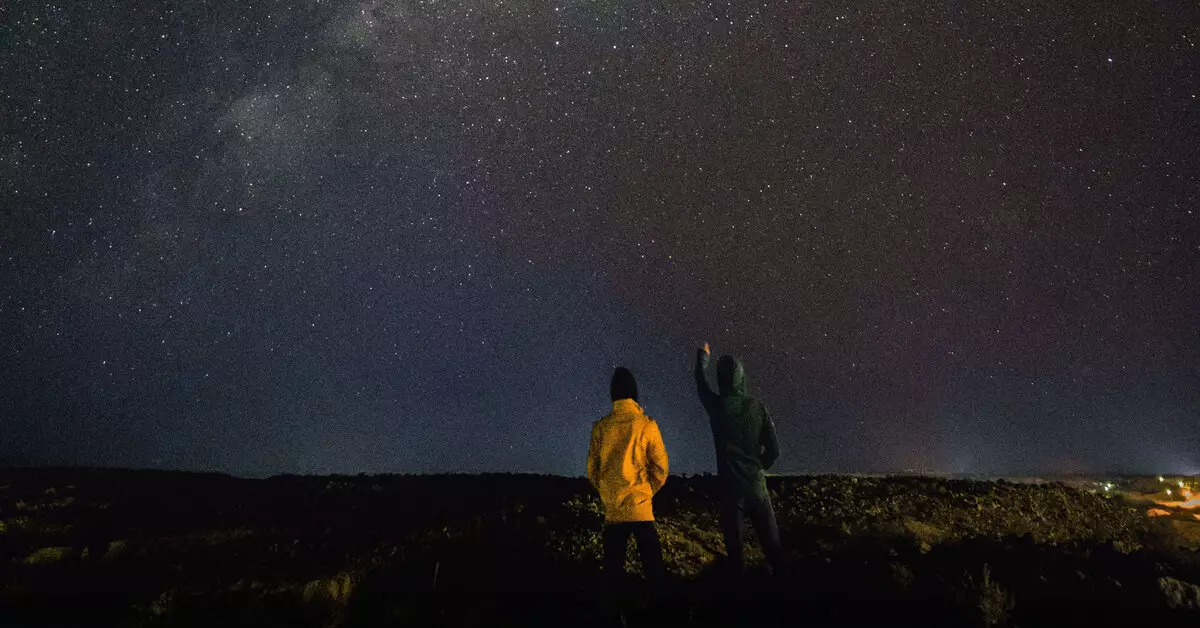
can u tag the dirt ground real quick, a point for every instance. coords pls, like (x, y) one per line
(145, 548)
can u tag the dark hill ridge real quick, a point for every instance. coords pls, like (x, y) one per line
(149, 548)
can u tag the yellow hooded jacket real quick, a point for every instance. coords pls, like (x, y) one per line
(627, 462)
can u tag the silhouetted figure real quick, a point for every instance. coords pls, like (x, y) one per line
(627, 463)
(744, 437)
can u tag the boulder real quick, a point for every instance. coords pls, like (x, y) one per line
(335, 590)
(1179, 595)
(49, 555)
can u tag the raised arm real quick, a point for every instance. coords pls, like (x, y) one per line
(656, 457)
(770, 445)
(707, 396)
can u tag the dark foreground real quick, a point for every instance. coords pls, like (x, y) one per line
(172, 549)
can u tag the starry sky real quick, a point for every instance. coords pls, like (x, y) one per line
(417, 236)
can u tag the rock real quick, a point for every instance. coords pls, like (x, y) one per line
(116, 549)
(335, 590)
(49, 555)
(1179, 595)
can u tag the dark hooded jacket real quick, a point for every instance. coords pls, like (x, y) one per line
(743, 433)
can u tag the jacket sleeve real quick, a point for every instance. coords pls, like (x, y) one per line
(656, 457)
(707, 397)
(769, 443)
(593, 461)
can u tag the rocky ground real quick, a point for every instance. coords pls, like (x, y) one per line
(139, 548)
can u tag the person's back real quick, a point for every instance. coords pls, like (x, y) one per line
(743, 434)
(627, 463)
(623, 463)
(746, 446)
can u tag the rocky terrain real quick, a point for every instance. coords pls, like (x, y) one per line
(148, 548)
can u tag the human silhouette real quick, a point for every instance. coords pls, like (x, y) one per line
(744, 438)
(627, 463)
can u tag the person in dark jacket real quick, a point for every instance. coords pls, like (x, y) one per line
(744, 438)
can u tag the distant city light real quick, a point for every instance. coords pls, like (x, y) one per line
(1160, 479)
(1168, 491)
(1181, 484)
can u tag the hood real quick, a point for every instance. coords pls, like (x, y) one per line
(731, 376)
(626, 408)
(623, 385)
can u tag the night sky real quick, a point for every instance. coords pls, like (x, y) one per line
(400, 236)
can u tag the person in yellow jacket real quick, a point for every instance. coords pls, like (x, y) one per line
(627, 463)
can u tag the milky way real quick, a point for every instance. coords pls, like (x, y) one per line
(407, 236)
